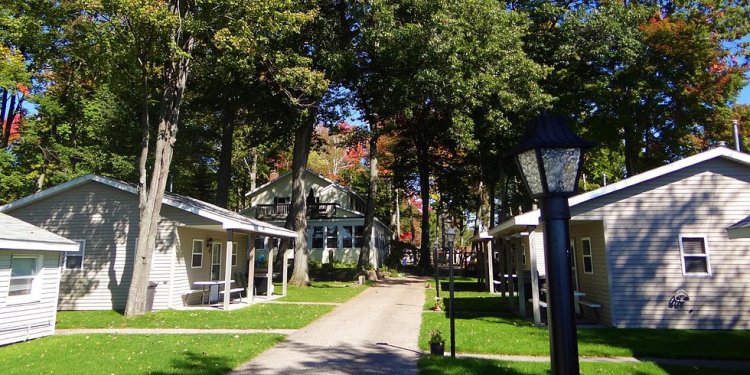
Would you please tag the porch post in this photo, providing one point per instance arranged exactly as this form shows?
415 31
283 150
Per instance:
269 273
228 268
520 271
534 279
250 293
490 266
285 267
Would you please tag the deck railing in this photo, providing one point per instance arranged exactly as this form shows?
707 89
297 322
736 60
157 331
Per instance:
281 210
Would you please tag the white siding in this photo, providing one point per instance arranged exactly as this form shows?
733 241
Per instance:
24 321
642 225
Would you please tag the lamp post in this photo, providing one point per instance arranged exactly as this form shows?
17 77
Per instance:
550 157
437 271
451 235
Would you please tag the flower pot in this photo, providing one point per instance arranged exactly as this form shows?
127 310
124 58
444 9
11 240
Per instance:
437 348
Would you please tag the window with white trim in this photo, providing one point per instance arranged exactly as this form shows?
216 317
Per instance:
694 256
196 260
74 259
359 236
318 237
332 237
23 286
588 259
347 236
234 254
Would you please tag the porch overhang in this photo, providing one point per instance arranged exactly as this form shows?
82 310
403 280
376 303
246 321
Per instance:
740 229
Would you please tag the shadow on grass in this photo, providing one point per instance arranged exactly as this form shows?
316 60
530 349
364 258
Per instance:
193 363
461 286
432 365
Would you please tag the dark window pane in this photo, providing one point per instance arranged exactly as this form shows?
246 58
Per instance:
346 235
587 265
696 265
693 246
332 238
358 236
260 242
197 260
317 238
73 262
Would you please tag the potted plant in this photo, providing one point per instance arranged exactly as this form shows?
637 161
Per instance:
438 305
437 343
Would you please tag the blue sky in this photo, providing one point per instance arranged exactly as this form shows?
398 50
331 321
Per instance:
744 97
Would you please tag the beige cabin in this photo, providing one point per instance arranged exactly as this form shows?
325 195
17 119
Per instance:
667 248
196 243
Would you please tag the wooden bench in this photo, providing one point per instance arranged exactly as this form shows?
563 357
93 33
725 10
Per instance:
593 305
239 291
541 303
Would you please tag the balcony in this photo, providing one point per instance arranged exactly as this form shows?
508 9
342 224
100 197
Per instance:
281 210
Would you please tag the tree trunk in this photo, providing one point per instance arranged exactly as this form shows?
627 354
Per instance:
372 191
631 152
424 192
411 224
176 73
4 120
297 220
396 217
225 158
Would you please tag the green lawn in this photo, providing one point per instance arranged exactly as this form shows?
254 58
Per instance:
261 316
432 365
483 325
323 291
133 354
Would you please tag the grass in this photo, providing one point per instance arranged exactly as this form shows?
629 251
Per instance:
261 316
133 354
432 365
483 325
331 291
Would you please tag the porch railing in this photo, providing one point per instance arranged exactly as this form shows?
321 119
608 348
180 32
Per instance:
281 210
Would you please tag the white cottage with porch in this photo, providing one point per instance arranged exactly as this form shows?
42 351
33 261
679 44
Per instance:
335 218
197 244
30 267
668 248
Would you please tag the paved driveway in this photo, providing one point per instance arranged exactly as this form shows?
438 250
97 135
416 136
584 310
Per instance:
374 333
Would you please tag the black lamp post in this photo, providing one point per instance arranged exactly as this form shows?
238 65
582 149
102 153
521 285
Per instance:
451 235
550 157
437 271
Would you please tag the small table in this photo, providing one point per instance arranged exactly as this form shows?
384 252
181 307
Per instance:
213 289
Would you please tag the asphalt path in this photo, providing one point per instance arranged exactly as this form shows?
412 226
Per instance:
375 332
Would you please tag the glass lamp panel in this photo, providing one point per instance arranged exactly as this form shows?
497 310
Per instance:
530 169
561 168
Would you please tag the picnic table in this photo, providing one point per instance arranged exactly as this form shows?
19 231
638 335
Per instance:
213 287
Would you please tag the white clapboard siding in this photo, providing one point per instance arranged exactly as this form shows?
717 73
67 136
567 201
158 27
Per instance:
641 228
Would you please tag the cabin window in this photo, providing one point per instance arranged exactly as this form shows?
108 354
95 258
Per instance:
282 200
197 254
23 278
347 236
588 260
332 237
74 259
260 243
694 256
359 232
318 237
234 254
